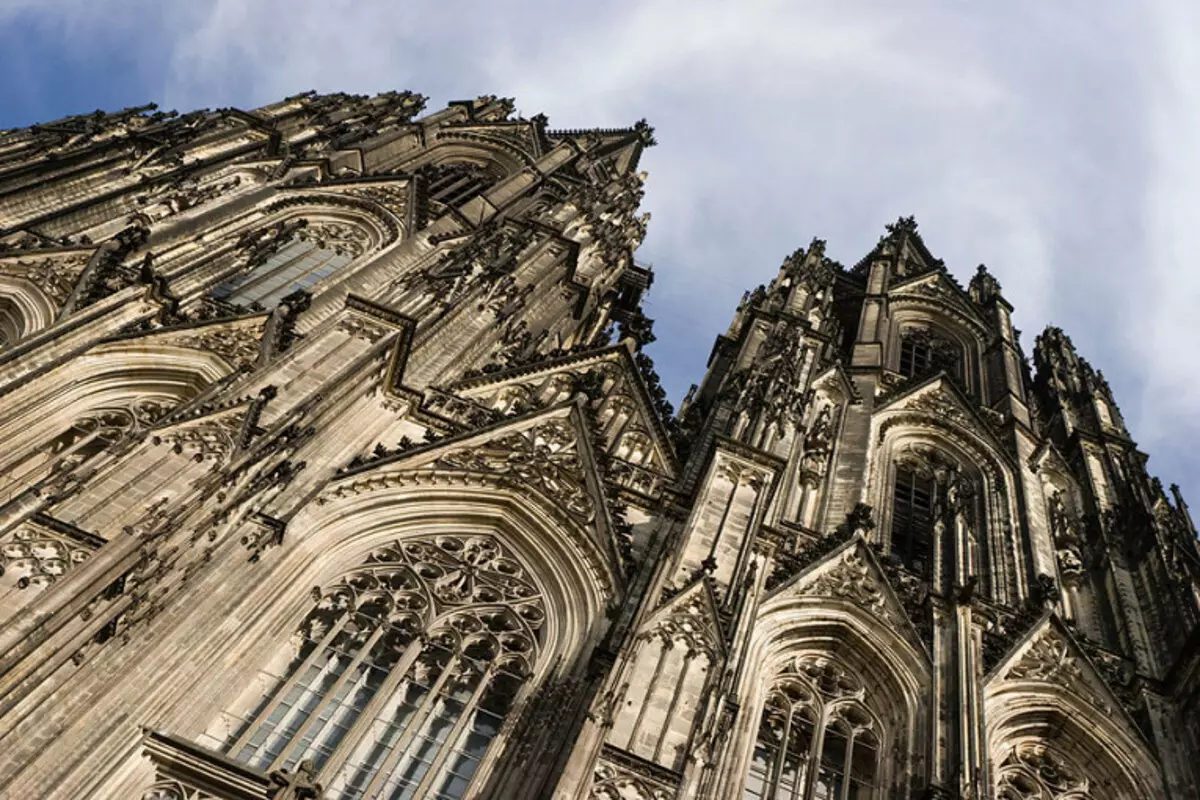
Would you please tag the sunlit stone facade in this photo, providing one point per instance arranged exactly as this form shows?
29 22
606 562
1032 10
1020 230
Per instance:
333 467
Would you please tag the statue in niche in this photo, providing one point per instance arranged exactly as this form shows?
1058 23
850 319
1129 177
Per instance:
1061 524
958 500
818 442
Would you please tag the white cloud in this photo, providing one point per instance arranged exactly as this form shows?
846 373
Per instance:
1053 141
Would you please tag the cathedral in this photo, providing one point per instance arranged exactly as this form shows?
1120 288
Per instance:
334 467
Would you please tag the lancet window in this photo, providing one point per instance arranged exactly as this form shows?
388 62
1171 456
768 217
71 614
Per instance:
401 675
913 499
935 509
923 352
289 256
817 740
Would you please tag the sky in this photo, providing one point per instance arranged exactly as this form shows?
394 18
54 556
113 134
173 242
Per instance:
1059 143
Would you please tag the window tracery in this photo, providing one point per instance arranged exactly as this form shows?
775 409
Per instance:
291 256
817 740
402 674
1033 771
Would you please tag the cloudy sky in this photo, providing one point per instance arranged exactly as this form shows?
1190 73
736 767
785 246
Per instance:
1057 142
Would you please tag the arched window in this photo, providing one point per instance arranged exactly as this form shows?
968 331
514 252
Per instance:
913 499
296 254
402 674
816 738
923 352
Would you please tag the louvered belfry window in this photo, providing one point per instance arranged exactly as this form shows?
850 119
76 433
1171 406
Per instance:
912 518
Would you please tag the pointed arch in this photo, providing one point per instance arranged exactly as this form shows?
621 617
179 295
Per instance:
24 310
1038 731
124 379
891 680
931 426
390 564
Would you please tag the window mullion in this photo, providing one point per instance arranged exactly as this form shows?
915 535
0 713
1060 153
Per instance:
814 758
328 697
414 725
780 759
845 793
363 725
282 692
257 275
453 736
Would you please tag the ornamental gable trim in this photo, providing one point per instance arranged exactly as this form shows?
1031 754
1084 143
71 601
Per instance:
547 454
55 272
238 341
614 364
691 614
941 288
852 573
1048 654
938 398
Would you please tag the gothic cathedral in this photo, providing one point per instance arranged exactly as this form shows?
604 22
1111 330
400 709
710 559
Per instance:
333 467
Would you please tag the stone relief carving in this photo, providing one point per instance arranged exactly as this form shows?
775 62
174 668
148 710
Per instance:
54 275
545 457
851 578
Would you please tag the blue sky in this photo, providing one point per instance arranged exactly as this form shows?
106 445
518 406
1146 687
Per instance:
1056 142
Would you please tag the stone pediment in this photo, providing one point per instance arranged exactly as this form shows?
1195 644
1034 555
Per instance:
392 194
941 288
518 137
209 435
852 573
55 272
1048 654
691 615
939 399
546 454
620 381
238 341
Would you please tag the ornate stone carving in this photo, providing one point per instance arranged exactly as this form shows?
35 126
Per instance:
629 779
56 275
941 405
174 790
1033 771
545 457
213 438
851 578
1049 659
237 344
391 196
37 554
361 328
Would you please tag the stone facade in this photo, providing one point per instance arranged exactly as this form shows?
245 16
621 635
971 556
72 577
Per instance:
333 467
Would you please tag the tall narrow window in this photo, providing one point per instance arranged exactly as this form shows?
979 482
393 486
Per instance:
306 256
912 518
816 740
402 674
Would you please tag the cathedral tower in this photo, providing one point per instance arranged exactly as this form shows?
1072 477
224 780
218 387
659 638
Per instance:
334 468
